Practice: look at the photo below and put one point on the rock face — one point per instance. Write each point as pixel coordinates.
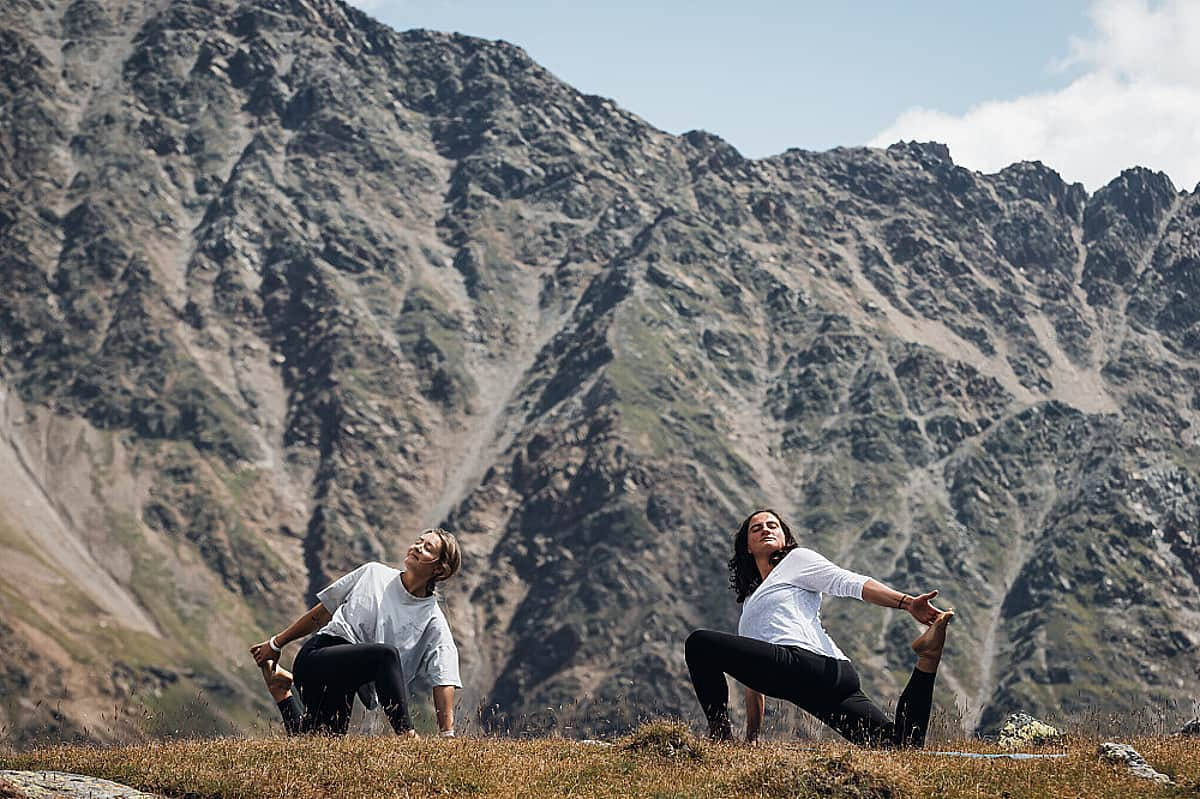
(281, 286)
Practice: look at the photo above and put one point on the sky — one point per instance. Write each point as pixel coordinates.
(1088, 87)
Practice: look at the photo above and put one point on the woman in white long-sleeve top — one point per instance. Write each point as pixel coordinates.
(379, 631)
(782, 650)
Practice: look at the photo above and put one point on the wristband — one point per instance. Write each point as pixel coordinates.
(445, 733)
(900, 604)
(274, 646)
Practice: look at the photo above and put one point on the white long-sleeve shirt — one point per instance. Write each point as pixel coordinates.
(786, 607)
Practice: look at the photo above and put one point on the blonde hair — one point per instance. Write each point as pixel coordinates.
(450, 558)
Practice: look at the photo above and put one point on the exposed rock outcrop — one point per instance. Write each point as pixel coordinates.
(1131, 759)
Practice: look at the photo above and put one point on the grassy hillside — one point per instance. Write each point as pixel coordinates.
(660, 760)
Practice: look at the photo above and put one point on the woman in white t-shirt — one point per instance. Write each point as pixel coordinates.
(782, 650)
(379, 634)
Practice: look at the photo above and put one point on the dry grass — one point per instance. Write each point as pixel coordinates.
(660, 760)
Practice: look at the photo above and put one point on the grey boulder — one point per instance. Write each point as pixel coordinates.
(1124, 754)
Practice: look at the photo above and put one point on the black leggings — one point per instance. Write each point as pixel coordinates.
(826, 687)
(328, 672)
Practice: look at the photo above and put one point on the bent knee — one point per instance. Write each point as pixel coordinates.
(699, 641)
(384, 655)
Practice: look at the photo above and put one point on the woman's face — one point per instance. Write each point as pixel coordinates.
(764, 534)
(424, 552)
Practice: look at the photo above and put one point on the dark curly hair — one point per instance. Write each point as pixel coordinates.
(743, 571)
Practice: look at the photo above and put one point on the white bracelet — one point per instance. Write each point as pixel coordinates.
(444, 733)
(271, 643)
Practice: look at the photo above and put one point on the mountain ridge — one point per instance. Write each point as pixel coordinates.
(283, 286)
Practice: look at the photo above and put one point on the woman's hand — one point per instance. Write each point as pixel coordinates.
(307, 624)
(264, 654)
(922, 609)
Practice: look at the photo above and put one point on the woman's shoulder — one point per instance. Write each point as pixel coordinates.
(376, 573)
(439, 626)
(803, 554)
(379, 567)
(803, 559)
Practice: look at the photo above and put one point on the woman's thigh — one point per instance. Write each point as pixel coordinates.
(782, 672)
(820, 683)
(339, 664)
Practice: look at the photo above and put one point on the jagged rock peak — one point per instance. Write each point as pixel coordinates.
(923, 151)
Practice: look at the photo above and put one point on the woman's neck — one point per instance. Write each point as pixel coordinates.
(763, 562)
(415, 583)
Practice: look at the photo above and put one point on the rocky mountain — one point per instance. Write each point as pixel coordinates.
(282, 286)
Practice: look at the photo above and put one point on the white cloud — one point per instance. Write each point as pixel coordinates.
(1136, 103)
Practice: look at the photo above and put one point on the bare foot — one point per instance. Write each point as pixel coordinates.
(278, 680)
(930, 643)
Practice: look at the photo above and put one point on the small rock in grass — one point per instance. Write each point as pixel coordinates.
(1191, 728)
(1129, 757)
(1022, 729)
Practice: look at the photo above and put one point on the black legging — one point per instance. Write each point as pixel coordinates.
(328, 672)
(826, 687)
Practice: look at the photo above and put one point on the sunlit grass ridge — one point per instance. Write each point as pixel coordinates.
(661, 759)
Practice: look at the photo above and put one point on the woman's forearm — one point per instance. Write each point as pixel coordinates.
(920, 607)
(309, 623)
(877, 593)
(443, 706)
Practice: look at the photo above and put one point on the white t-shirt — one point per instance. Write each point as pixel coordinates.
(370, 605)
(786, 607)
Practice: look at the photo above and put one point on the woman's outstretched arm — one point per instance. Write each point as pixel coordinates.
(307, 624)
(920, 607)
(443, 706)
(756, 705)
